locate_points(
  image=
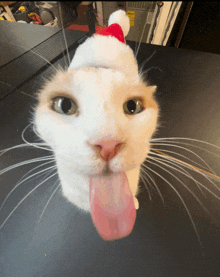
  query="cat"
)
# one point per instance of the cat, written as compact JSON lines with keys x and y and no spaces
{"x":95,"y":116}
{"x":99,"y":119}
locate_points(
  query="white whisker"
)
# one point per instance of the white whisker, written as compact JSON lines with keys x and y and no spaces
{"x":159,"y":161}
{"x":146,"y":178}
{"x":21,"y":146}
{"x":187,"y":173}
{"x":147,"y":60}
{"x":145,"y":24}
{"x":24,"y":199}
{"x":49,"y":200}
{"x":32,"y":144}
{"x":157,"y":188}
{"x":41,"y":165}
{"x":180,"y":197}
{"x":45,"y":158}
{"x":13,"y":87}
{"x":22,"y":181}
{"x":142,"y":178}
{"x":197,"y":181}
{"x":152,"y":67}
{"x":178,"y":154}
{"x":37,"y":134}
{"x":13,"y":147}
{"x":64,"y":35}
{"x":198,"y":147}
{"x":180,"y":147}
{"x":37,"y":54}
{"x":181,"y":138}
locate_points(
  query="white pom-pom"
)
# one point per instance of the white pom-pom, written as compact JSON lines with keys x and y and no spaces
{"x":122,"y":19}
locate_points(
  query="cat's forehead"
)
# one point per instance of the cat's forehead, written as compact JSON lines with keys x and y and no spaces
{"x":91,"y":81}
{"x":100,"y":76}
{"x":101,"y":79}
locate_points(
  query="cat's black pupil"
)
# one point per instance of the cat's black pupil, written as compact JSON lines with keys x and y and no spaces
{"x":131,"y":105}
{"x":66,"y":105}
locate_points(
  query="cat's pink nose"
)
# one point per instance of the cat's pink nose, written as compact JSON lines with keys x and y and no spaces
{"x":108,"y":148}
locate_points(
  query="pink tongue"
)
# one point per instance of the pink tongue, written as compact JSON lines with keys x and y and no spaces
{"x":112,"y":206}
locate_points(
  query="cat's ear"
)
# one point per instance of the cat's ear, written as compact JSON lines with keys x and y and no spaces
{"x":152,"y":89}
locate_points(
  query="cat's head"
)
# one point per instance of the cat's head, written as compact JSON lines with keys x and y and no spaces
{"x":98,"y":118}
{"x":79,"y":110}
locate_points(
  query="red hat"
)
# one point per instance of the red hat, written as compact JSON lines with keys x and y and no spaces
{"x":113,"y":30}
{"x":108,"y":48}
{"x":119,"y":25}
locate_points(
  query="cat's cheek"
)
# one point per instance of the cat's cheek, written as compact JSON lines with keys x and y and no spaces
{"x":133,"y":180}
{"x":143,"y":129}
{"x":147,"y":121}
{"x":43,"y":126}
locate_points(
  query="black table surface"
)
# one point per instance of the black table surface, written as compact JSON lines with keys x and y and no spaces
{"x":163,"y":243}
{"x":27,"y":49}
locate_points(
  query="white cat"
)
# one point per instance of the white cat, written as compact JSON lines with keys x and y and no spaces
{"x":98,"y":117}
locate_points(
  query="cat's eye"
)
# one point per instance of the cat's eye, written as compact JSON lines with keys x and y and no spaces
{"x":64,"y":105}
{"x":133,"y":106}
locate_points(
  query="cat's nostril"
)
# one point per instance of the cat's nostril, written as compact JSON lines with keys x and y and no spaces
{"x":107,"y":149}
{"x":99,"y":147}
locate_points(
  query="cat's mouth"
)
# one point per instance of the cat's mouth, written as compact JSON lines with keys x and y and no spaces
{"x":112,"y":205}
{"x":107,"y":171}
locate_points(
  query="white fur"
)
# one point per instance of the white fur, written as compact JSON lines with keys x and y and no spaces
{"x":106,"y":51}
{"x":100,"y":114}
{"x":122,"y":19}
{"x":101,"y":78}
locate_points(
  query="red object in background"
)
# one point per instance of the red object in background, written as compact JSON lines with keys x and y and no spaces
{"x":35,"y":17}
{"x":85,"y":28}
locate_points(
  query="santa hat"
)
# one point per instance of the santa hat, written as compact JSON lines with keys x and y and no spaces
{"x":108,"y":48}
{"x":118,"y":26}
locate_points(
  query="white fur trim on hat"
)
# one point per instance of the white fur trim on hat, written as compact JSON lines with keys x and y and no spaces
{"x":105,"y":51}
{"x":122,"y":19}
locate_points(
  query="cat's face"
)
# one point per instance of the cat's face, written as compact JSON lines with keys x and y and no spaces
{"x":99,"y":111}
{"x":98,"y":121}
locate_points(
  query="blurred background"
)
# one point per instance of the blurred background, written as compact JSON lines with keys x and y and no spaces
{"x":181,"y":24}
